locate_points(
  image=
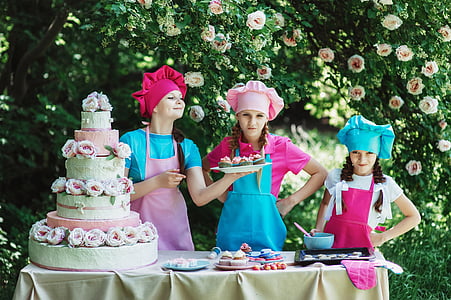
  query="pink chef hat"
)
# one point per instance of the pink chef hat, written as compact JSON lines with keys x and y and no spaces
{"x":255,"y":96}
{"x":155,"y":86}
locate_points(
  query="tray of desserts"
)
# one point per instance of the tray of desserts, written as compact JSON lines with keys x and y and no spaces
{"x":332,"y":256}
{"x":240,"y":169}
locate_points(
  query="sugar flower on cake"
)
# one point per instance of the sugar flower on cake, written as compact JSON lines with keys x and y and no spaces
{"x":76,"y":237}
{"x":215,"y":7}
{"x":196,"y":113}
{"x":122,"y":150}
{"x":125,"y":185}
{"x":445,"y":31}
{"x":415,"y":86}
{"x":96,"y":101}
{"x":413,"y":167}
{"x":69,"y":149}
{"x":208,"y":34}
{"x":356,"y":63}
{"x":59,"y":185}
{"x":35,"y":227}
{"x":94,"y":188}
{"x":75,"y":187}
{"x":383,"y":49}
{"x":404,"y":53}
{"x":444,"y":145}
{"x":94,"y":238}
{"x":112,"y":187}
{"x":115,"y":237}
{"x":40,"y":233}
{"x":194,"y":79}
{"x":56,"y":235}
{"x":356,"y":92}
{"x":256,"y":20}
{"x":264,"y":72}
{"x":391,"y":22}
{"x":395,"y":102}
{"x":429,"y":69}
{"x":428,"y":105}
{"x":147,"y":232}
{"x":326,"y":54}
{"x":86,"y":149}
{"x":131,"y":235}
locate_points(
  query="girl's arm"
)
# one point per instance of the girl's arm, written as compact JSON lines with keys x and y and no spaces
{"x":317,"y":176}
{"x":320,"y":221}
{"x":168,"y":179}
{"x":411,"y":219}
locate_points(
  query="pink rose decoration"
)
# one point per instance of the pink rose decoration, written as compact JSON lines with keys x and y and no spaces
{"x":75,"y":187}
{"x":131,"y":235}
{"x":356,"y":63}
{"x":69,"y":149}
{"x":147,"y":232}
{"x":413,"y":167}
{"x":41,"y":232}
{"x":256,"y":20}
{"x":429,"y":69}
{"x":264,"y":72}
{"x":56,"y":235}
{"x":208,"y":34}
{"x":93,"y":188}
{"x":111,"y":187}
{"x":59,"y":185}
{"x":395,"y":102}
{"x":404,"y":53}
{"x":384,"y":49}
{"x":415,"y":86}
{"x":94,"y":238}
{"x":125,"y":185}
{"x":76,"y":237}
{"x":122,"y":150}
{"x":428,"y":105}
{"x":326,"y":54}
{"x":356,"y":92}
{"x":444,"y":145}
{"x":86,"y":149}
{"x":445,"y":31}
{"x":115,"y":237}
{"x":90,"y":103}
{"x":215,"y":7}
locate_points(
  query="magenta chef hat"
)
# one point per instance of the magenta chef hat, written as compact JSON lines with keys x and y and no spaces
{"x":155,"y":86}
{"x":255,"y":96}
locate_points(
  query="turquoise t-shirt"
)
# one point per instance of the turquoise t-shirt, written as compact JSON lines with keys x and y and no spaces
{"x":161,"y":147}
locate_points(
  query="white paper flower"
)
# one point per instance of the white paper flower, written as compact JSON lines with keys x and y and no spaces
{"x":264,"y":72}
{"x":404,"y":53}
{"x":357,"y":92}
{"x":194,"y":79}
{"x":415,"y":86}
{"x":215,"y":7}
{"x":445,"y":31}
{"x":145,"y":3}
{"x":429,"y":69}
{"x":208,"y":34}
{"x":383,"y":49}
{"x":356,"y":63}
{"x":395,"y":102}
{"x":224,"y":105}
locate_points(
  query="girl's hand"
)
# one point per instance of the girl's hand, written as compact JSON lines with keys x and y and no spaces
{"x":170,"y":178}
{"x":315,"y":230}
{"x":377,"y":239}
{"x":285,"y":205}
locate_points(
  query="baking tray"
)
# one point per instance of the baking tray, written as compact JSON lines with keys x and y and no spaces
{"x":332,"y":256}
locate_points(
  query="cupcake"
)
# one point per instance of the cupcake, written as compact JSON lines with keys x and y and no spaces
{"x":245,"y":161}
{"x":239,"y":259}
{"x":225,"y":162}
{"x":225,"y":259}
{"x":257,"y":159}
{"x":236,"y":161}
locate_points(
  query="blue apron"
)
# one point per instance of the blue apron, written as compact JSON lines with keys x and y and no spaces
{"x":250,"y":215}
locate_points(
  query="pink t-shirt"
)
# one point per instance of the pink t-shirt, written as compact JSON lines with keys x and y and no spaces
{"x":284,"y":154}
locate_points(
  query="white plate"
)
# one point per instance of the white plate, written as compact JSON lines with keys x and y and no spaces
{"x":231,"y":268}
{"x":200,"y":265}
{"x":241,"y":169}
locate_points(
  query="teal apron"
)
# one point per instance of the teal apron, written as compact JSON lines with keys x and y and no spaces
{"x":250,"y":215}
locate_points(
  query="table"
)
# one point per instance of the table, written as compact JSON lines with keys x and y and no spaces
{"x":295,"y":282}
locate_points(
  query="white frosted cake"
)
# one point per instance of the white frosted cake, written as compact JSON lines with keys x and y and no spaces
{"x":93,"y":228}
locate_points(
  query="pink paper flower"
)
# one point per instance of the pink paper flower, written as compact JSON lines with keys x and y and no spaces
{"x":428,"y":105}
{"x":395,"y":102}
{"x":86,"y":149}
{"x":383,"y":49}
{"x":326,"y":54}
{"x":94,"y":238}
{"x":429,"y":69}
{"x":94,"y":188}
{"x":356,"y":63}
{"x":444,"y":145}
{"x":256,"y":20}
{"x":115,"y":237}
{"x":415,"y":86}
{"x":76,"y":237}
{"x":56,"y":235}
{"x":59,"y":185}
{"x":122,"y":150}
{"x":357,"y":92}
{"x":69,"y":149}
{"x":75,"y":187}
{"x":413,"y":167}
{"x":404,"y":53}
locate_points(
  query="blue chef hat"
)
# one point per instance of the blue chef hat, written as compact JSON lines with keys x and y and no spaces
{"x":362,"y":134}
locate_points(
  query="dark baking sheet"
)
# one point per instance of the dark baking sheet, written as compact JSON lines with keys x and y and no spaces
{"x":300,"y":255}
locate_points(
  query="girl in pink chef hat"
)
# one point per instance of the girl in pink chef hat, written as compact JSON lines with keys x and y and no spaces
{"x":358,"y":197}
{"x":252,"y":212}
{"x":161,"y":158}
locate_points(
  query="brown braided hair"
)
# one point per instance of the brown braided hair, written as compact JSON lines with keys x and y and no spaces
{"x":178,"y":136}
{"x":236,"y":134}
{"x":348,"y":170}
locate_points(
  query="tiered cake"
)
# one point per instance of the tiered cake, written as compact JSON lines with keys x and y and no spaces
{"x":93,"y":228}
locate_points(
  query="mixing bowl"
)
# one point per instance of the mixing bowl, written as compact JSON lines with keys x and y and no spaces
{"x":320,"y":240}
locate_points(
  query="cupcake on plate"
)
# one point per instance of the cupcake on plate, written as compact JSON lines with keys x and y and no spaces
{"x":257,"y":159}
{"x":245,"y":161}
{"x":236,"y":161}
{"x":239,"y":259}
{"x":226,"y":258}
{"x":225,"y":162}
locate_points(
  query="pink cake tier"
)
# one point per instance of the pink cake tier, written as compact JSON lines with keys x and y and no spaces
{"x":54,"y":221}
{"x":99,"y":139}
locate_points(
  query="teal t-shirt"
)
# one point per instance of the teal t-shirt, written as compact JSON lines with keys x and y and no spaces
{"x":161,"y":147}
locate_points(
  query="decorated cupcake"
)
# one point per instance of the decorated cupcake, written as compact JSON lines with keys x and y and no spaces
{"x":239,"y":259}
{"x":226,"y":258}
{"x":225,"y":162}
{"x":236,"y":161}
{"x":257,"y":159}
{"x":245,"y":161}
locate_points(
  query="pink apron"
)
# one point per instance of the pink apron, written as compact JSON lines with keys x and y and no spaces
{"x":351,"y":228}
{"x":165,"y":207}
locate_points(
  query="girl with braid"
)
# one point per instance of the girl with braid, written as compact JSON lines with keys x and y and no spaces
{"x":252,"y":212}
{"x":358,"y":197}
{"x":161,"y":158}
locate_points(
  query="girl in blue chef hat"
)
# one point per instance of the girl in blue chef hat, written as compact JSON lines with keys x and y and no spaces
{"x":358,"y":196}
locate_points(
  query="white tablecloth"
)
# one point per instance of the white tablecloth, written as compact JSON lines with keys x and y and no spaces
{"x":295,"y":282}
